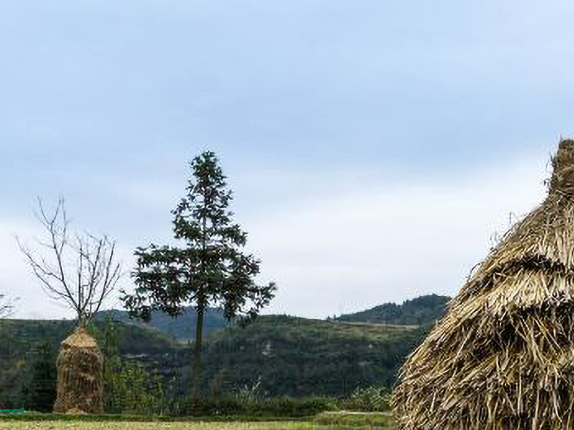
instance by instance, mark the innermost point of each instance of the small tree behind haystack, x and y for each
(80, 270)
(503, 356)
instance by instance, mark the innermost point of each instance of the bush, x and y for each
(369, 399)
(256, 406)
(129, 388)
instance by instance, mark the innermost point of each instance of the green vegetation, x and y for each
(423, 310)
(284, 355)
(212, 267)
(39, 386)
(273, 357)
(322, 421)
(270, 407)
(354, 420)
(368, 399)
(426, 309)
(20, 367)
(128, 386)
(126, 425)
(181, 327)
(270, 367)
(276, 356)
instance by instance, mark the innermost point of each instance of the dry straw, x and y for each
(503, 356)
(80, 367)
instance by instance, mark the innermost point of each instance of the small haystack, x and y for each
(503, 356)
(80, 375)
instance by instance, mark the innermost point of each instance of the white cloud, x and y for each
(335, 252)
(389, 242)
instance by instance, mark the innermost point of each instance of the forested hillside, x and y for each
(420, 311)
(298, 356)
(181, 327)
(277, 355)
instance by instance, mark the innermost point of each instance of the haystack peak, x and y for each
(562, 180)
(503, 356)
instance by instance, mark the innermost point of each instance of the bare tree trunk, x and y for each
(196, 388)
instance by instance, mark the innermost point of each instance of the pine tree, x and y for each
(211, 270)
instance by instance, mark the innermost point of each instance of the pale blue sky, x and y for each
(329, 116)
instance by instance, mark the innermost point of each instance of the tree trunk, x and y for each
(197, 367)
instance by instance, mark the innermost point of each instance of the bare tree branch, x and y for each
(80, 270)
(6, 306)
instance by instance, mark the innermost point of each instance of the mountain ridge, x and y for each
(418, 311)
(422, 310)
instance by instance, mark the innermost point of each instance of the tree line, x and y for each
(276, 356)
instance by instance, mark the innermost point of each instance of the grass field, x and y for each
(59, 425)
(324, 421)
(288, 425)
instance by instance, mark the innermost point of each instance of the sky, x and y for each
(376, 149)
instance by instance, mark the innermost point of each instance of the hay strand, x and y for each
(503, 356)
(80, 375)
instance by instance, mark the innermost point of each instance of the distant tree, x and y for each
(211, 270)
(39, 388)
(79, 269)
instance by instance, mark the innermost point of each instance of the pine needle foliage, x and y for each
(210, 270)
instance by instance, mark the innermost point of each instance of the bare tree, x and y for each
(6, 306)
(79, 269)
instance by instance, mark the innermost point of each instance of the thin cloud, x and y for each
(390, 242)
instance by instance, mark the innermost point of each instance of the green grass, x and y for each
(354, 420)
(53, 417)
(127, 425)
(324, 421)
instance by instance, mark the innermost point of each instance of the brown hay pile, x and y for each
(503, 356)
(80, 371)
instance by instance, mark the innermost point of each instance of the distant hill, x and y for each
(181, 327)
(420, 311)
(298, 356)
(288, 355)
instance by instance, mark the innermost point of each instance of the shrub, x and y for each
(368, 399)
(257, 406)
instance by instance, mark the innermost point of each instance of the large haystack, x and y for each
(503, 356)
(80, 375)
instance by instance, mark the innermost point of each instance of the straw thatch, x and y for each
(503, 356)
(80, 375)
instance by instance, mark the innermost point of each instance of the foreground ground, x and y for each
(325, 421)
(59, 425)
